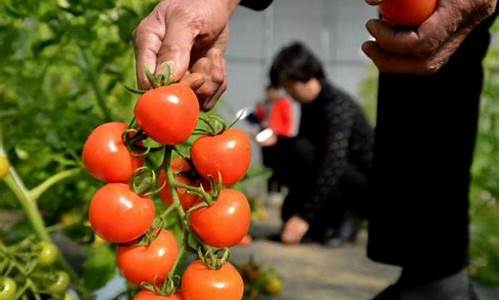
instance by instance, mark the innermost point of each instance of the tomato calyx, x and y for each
(167, 288)
(213, 258)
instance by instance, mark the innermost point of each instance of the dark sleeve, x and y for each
(256, 4)
(331, 167)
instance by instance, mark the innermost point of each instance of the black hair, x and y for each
(295, 62)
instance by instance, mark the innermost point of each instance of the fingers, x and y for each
(422, 50)
(213, 69)
(175, 49)
(147, 39)
(393, 63)
(390, 39)
(193, 80)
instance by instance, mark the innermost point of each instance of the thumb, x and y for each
(175, 50)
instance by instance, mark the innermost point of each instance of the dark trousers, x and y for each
(424, 142)
(298, 164)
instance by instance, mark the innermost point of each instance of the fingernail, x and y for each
(165, 67)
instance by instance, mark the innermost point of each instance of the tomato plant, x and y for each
(407, 12)
(200, 282)
(168, 114)
(8, 288)
(48, 254)
(148, 295)
(106, 156)
(119, 215)
(210, 223)
(150, 263)
(227, 154)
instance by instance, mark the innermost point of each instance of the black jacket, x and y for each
(339, 131)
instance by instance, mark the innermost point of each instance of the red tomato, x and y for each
(407, 12)
(187, 200)
(228, 153)
(148, 264)
(168, 114)
(119, 215)
(148, 295)
(225, 222)
(202, 283)
(246, 241)
(106, 156)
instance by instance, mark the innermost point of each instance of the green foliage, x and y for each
(484, 192)
(484, 189)
(62, 65)
(99, 267)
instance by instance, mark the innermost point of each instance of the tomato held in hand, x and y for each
(202, 283)
(119, 215)
(228, 153)
(187, 200)
(225, 222)
(105, 155)
(168, 114)
(148, 264)
(8, 288)
(148, 295)
(407, 12)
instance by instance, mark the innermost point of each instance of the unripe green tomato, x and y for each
(48, 254)
(60, 284)
(8, 288)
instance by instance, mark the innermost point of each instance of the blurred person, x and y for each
(276, 113)
(329, 162)
(420, 219)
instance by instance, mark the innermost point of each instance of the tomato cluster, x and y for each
(194, 185)
(30, 266)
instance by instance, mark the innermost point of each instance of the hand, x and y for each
(426, 49)
(294, 230)
(190, 37)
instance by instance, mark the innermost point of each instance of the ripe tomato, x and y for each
(105, 155)
(8, 288)
(119, 215)
(225, 222)
(148, 264)
(168, 114)
(228, 153)
(4, 166)
(48, 254)
(60, 284)
(187, 200)
(407, 12)
(148, 295)
(202, 283)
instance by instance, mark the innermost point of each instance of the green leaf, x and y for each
(99, 267)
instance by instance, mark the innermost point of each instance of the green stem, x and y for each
(177, 261)
(92, 76)
(16, 185)
(195, 190)
(37, 191)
